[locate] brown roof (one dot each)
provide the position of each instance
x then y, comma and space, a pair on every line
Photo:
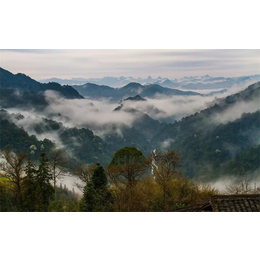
236, 203
196, 208
228, 203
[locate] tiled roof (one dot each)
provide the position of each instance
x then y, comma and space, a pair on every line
236, 203
196, 208
228, 203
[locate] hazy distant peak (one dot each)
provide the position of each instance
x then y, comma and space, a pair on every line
133, 85
166, 81
135, 98
190, 77
206, 77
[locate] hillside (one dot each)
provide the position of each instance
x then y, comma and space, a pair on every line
22, 83
211, 139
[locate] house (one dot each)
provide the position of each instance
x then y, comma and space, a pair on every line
227, 203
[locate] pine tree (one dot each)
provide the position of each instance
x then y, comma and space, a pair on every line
29, 183
89, 200
96, 195
44, 190
99, 178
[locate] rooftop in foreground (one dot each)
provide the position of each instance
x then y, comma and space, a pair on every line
228, 203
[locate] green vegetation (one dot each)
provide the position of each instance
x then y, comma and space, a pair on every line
210, 149
126, 185
97, 195
27, 187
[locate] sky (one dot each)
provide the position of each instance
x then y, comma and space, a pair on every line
98, 63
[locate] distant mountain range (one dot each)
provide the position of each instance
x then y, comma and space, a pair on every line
94, 91
193, 82
23, 83
114, 82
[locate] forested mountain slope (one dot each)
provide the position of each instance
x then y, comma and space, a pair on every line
211, 139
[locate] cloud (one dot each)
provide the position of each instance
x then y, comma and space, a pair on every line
83, 112
222, 184
170, 108
167, 143
30, 120
236, 111
100, 117
42, 64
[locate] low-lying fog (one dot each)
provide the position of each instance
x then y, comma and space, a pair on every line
95, 114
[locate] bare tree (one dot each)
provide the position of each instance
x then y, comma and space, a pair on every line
243, 186
164, 168
84, 174
57, 161
13, 168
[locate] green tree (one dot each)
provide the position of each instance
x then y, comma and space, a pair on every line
56, 206
99, 178
5, 199
96, 195
127, 167
44, 189
29, 184
89, 200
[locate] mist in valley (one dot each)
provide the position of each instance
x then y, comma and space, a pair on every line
103, 117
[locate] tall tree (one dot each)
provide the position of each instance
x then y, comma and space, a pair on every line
165, 169
44, 189
96, 195
84, 174
29, 184
88, 202
57, 161
13, 168
127, 167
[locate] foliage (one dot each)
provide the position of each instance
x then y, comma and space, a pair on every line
96, 195
127, 166
29, 183
17, 140
164, 166
5, 197
13, 169
44, 190
163, 189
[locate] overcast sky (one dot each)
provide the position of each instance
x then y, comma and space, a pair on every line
41, 64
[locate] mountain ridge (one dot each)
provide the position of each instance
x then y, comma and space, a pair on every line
24, 83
